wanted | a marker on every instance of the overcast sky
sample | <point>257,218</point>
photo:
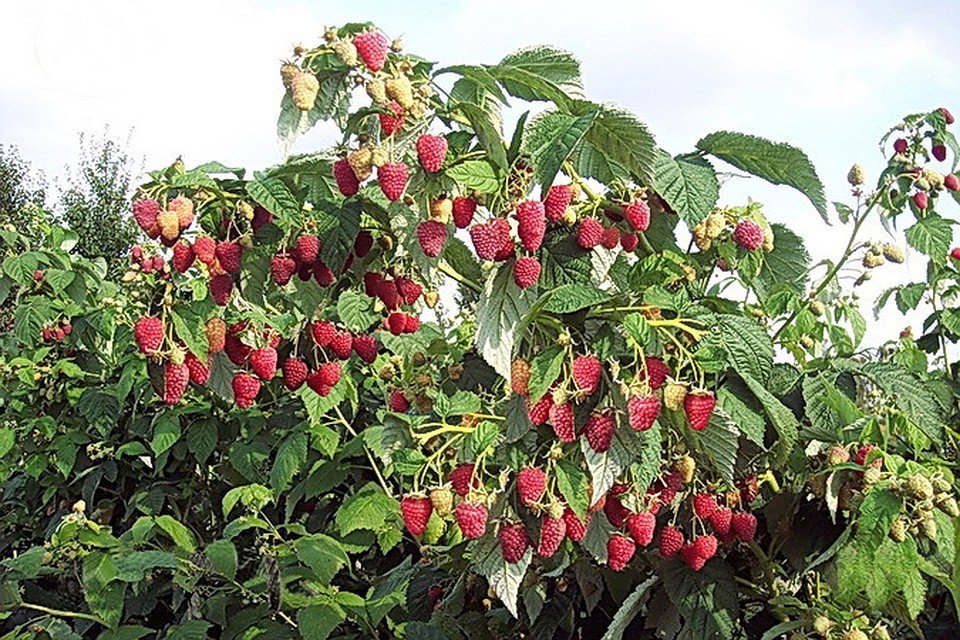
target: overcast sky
<point>199,78</point>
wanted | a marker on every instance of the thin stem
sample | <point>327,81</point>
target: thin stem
<point>63,614</point>
<point>453,273</point>
<point>373,463</point>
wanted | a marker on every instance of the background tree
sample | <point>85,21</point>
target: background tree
<point>22,191</point>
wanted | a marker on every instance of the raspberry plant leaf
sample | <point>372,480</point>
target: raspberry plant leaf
<point>688,183</point>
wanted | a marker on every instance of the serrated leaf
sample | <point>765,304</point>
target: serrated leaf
<point>911,395</point>
<point>369,508</point>
<point>504,577</point>
<point>499,311</point>
<point>476,175</point>
<point>544,370</point>
<point>786,265</point>
<point>629,610</point>
<point>574,487</point>
<point>222,555</point>
<point>290,459</point>
<point>747,345</point>
<point>166,433</point>
<point>620,139</point>
<point>750,423</point>
<point>780,416</point>
<point>324,555</point>
<point>539,73</point>
<point>178,532</point>
<point>550,138</point>
<point>707,599</point>
<point>569,298</point>
<point>637,328</point>
<point>274,196</point>
<point>356,311</point>
<point>777,163</point>
<point>687,183</point>
<point>338,226</point>
<point>719,442</point>
<point>931,236</point>
<point>606,467</point>
<point>488,133</point>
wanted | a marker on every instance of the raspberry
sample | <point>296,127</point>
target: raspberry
<point>341,345</point>
<point>552,533</point>
<point>294,373</point>
<point>599,430</point>
<point>947,116</point>
<point>460,478</point>
<point>586,373</point>
<point>531,224</point>
<point>346,179</point>
<point>315,380</point>
<point>520,376</point>
<point>705,546</point>
<point>513,541</point>
<point>472,519</point>
<point>176,377</point>
<point>389,294</point>
<point>463,210</point>
<point>698,405</point>
<point>629,242</point>
<point>392,121</point>
<point>489,238</point>
<point>169,225</point>
<point>228,253</point>
<point>939,152</point>
<point>442,500</point>
<point>531,484</point>
<point>322,332</point>
<point>671,540</point>
<point>691,557</point>
<point>744,524</point>
<point>620,550</point>
<point>431,234</point>
<point>216,332</point>
<point>721,520</point>
<point>561,418</point>
<point>183,256</point>
<point>900,145</point>
<point>431,151</point>
<point>748,234</point>
<point>306,249</point>
<point>526,271</point>
<point>611,238</point>
<point>655,372</point>
<point>506,251</point>
<point>416,510</point>
<point>641,527</point>
<point>245,389</point>
<point>148,333</point>
<point>556,201</point>
<point>263,361</point>
<point>539,413</point>
<point>362,243</point>
<point>589,233</point>
<point>398,402</point>
<point>576,528</point>
<point>145,213</point>
<point>330,373</point>
<point>304,87</point>
<point>643,411</point>
<point>951,182</point>
<point>282,268</point>
<point>199,371</point>
<point>409,290</point>
<point>393,179</point>
<point>397,323</point>
<point>372,48</point>
<point>399,88</point>
<point>704,504</point>
<point>365,347</point>
<point>261,217</point>
<point>955,253</point>
<point>637,214</point>
<point>614,509</point>
<point>920,200</point>
<point>205,249</point>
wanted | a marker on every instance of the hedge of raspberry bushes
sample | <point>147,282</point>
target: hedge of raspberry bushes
<point>452,378</point>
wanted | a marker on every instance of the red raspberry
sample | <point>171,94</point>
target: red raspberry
<point>347,181</point>
<point>245,389</point>
<point>490,238</point>
<point>362,243</point>
<point>294,373</point>
<point>671,540</point>
<point>148,333</point>
<point>599,430</point>
<point>705,546</point>
<point>372,48</point>
<point>221,287</point>
<point>955,253</point>
<point>329,373</point>
<point>637,214</point>
<point>506,251</point>
<point>721,520</point>
<point>589,233</point>
<point>416,510</point>
<point>412,323</point>
<point>371,283</point>
<point>643,411</point>
<point>748,235</point>
<point>947,116</point>
<point>704,504</point>
<point>341,345</point>
<point>744,524</point>
<point>472,519</point>
<point>576,528</point>
<point>397,323</point>
<point>629,242</point>
<point>282,268</point>
<point>460,478</point>
<point>261,217</point>
<point>561,418</point>
<point>306,249</point>
<point>392,120</point>
<point>620,550</point>
<point>409,290</point>
<point>655,374</point>
<point>322,274</point>
<point>862,452</point>
<point>614,509</point>
<point>205,249</point>
<point>431,151</point>
<point>199,371</point>
<point>365,347</point>
<point>698,405</point>
<point>463,210</point>
<point>513,541</point>
<point>939,152</point>
<point>552,533</point>
<point>900,145</point>
<point>315,380</point>
<point>556,201</point>
<point>237,351</point>
<point>263,361</point>
<point>393,179</point>
<point>586,373</point>
<point>398,402</point>
<point>228,253</point>
<point>539,413</point>
<point>641,527</point>
<point>920,200</point>
<point>389,294</point>
<point>145,213</point>
<point>531,224</point>
<point>183,256</point>
<point>531,484</point>
<point>611,238</point>
<point>526,271</point>
<point>432,235</point>
<point>176,377</point>
<point>322,332</point>
<point>951,182</point>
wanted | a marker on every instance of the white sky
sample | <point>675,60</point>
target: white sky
<point>199,78</point>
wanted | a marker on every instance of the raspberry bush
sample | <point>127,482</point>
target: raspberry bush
<point>456,377</point>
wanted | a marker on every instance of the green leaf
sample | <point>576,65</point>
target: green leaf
<point>179,533</point>
<point>637,328</point>
<point>317,621</point>
<point>476,175</point>
<point>252,496</point>
<point>620,139</point>
<point>550,138</point>
<point>629,610</point>
<point>910,295</point>
<point>780,416</point>
<point>274,196</point>
<point>461,259</point>
<point>606,467</point>
<point>488,133</point>
<point>777,163</point>
<point>707,599</point>
<point>931,236</point>
<point>190,630</point>
<point>747,345</point>
<point>504,577</point>
<point>222,555</point>
<point>166,433</point>
<point>564,262</point>
<point>369,508</point>
<point>719,443</point>
<point>539,73</point>
<point>570,298</point>
<point>880,507</point>
<point>324,555</point>
<point>747,420</point>
<point>460,403</point>
<point>134,566</point>
<point>911,395</point>
<point>338,226</point>
<point>574,486</point>
<point>499,311</point>
<point>355,310</point>
<point>189,325</point>
<point>786,266</point>
<point>687,183</point>
<point>544,370</point>
<point>291,457</point>
<point>8,437</point>
<point>126,632</point>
